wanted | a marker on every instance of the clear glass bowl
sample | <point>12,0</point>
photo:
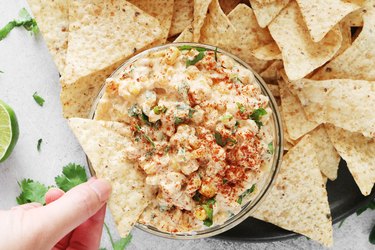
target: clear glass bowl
<point>249,207</point>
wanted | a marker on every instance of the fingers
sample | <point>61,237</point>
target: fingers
<point>27,206</point>
<point>53,194</point>
<point>72,209</point>
<point>88,235</point>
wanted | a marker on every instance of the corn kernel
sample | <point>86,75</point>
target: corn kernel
<point>200,213</point>
<point>134,88</point>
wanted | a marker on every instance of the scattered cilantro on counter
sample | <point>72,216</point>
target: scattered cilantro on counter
<point>371,206</point>
<point>72,175</point>
<point>31,191</point>
<point>38,147</point>
<point>119,244</point>
<point>24,20</point>
<point>38,99</point>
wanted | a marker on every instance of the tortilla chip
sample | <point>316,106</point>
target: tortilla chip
<point>346,37</point>
<point>327,156</point>
<point>228,5</point>
<point>266,11</point>
<point>300,54</point>
<point>359,154</point>
<point>200,12</point>
<point>275,90</point>
<point>53,27</point>
<point>182,16</point>
<point>239,34</point>
<point>270,75</point>
<point>268,52</point>
<point>160,9</point>
<point>348,104</point>
<point>288,142</point>
<point>322,15</point>
<point>94,49</point>
<point>298,200</point>
<point>357,62</point>
<point>295,118</point>
<point>185,36</point>
<point>106,150</point>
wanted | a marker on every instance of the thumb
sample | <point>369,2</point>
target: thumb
<point>72,209</point>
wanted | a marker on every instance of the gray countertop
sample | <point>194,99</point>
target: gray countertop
<point>27,68</point>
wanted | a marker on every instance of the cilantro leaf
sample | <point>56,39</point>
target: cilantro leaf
<point>371,237</point>
<point>248,191</point>
<point>257,114</point>
<point>25,20</point>
<point>1,72</point>
<point>72,176</point>
<point>196,59</point>
<point>38,99</point>
<point>219,139</point>
<point>39,144</point>
<point>208,208</point>
<point>159,109</point>
<point>119,244</point>
<point>31,191</point>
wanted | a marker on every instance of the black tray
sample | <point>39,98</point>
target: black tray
<point>344,198</point>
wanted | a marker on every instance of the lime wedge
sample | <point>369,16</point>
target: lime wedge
<point>8,131</point>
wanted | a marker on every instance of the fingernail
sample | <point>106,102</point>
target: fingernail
<point>102,188</point>
<point>92,179</point>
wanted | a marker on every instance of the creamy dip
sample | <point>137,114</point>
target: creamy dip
<point>201,132</point>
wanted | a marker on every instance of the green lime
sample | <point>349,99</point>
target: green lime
<point>8,131</point>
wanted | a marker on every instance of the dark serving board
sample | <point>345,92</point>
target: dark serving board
<point>344,198</point>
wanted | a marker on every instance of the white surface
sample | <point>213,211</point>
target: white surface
<point>28,67</point>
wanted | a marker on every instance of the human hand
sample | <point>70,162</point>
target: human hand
<point>72,220</point>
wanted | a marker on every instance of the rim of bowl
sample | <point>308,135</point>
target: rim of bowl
<point>248,208</point>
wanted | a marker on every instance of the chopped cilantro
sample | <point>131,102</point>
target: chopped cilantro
<point>248,191</point>
<point>371,237</point>
<point>219,139</point>
<point>270,148</point>
<point>145,119</point>
<point>38,146</point>
<point>191,112</point>
<point>134,111</point>
<point>226,117</point>
<point>216,54</point>
<point>178,120</point>
<point>1,72</point>
<point>31,191</point>
<point>38,99</point>
<point>225,181</point>
<point>208,208</point>
<point>119,244</point>
<point>25,20</point>
<point>72,175</point>
<point>341,222</point>
<point>257,114</point>
<point>196,59</point>
<point>240,107</point>
<point>149,140</point>
<point>188,47</point>
<point>159,109</point>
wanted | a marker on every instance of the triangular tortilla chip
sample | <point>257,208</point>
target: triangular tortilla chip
<point>182,16</point>
<point>327,156</point>
<point>295,118</point>
<point>217,29</point>
<point>248,36</point>
<point>298,200</point>
<point>348,104</point>
<point>106,150</point>
<point>185,36</point>
<point>346,37</point>
<point>268,52</point>
<point>266,11</point>
<point>357,62</point>
<point>93,49</point>
<point>160,9</point>
<point>322,15</point>
<point>301,55</point>
<point>359,154</point>
<point>270,75</point>
<point>54,27</point>
<point>200,12</point>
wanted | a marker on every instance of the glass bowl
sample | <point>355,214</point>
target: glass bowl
<point>247,208</point>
